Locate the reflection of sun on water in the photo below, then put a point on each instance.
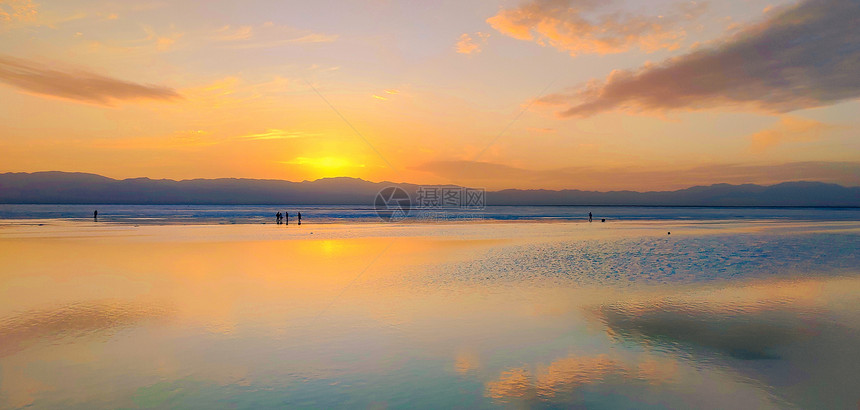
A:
(329, 247)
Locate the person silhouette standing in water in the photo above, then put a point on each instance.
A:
(278, 218)
(589, 217)
(299, 217)
(96, 215)
(286, 218)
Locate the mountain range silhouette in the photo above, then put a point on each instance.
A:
(55, 187)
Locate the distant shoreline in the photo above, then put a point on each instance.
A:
(672, 224)
(360, 206)
(364, 214)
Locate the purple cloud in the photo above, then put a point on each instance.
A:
(77, 85)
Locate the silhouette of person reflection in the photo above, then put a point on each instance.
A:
(299, 217)
(589, 217)
(96, 215)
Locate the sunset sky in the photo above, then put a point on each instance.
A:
(587, 94)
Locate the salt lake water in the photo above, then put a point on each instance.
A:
(736, 308)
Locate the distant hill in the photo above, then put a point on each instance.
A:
(784, 194)
(80, 188)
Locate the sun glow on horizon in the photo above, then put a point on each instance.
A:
(327, 166)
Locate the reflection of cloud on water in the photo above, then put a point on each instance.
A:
(569, 373)
(72, 321)
(778, 343)
(511, 383)
(657, 371)
(747, 322)
(466, 362)
(757, 336)
(787, 335)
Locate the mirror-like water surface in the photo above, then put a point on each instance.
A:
(479, 315)
(233, 214)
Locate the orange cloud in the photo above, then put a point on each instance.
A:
(77, 85)
(563, 25)
(162, 42)
(17, 10)
(788, 129)
(469, 45)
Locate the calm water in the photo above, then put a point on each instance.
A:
(721, 313)
(160, 214)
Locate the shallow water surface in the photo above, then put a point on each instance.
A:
(715, 315)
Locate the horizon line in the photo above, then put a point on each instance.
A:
(433, 185)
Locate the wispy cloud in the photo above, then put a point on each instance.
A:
(389, 93)
(565, 25)
(802, 56)
(267, 35)
(307, 38)
(542, 130)
(162, 42)
(154, 40)
(228, 33)
(469, 45)
(77, 85)
(275, 134)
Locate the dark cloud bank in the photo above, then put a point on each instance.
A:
(802, 56)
